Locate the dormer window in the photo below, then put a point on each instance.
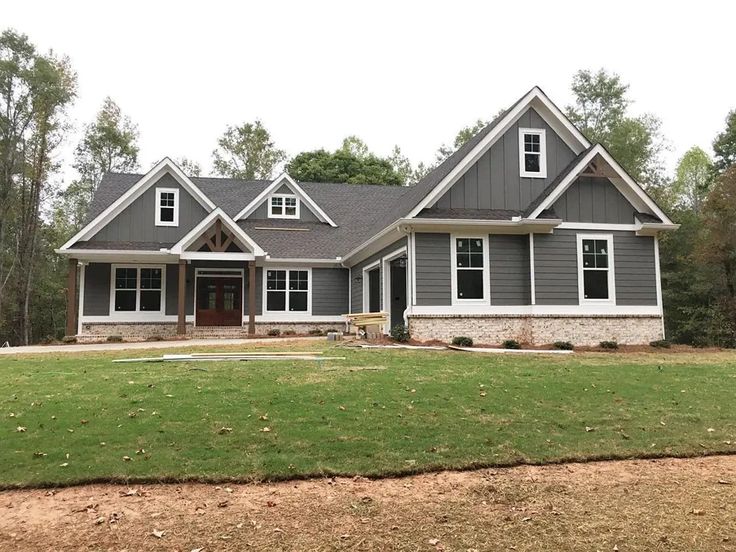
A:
(283, 206)
(532, 153)
(167, 207)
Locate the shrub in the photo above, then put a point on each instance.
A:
(462, 341)
(511, 344)
(400, 333)
(154, 338)
(609, 345)
(115, 338)
(274, 332)
(563, 345)
(69, 339)
(289, 332)
(315, 331)
(660, 343)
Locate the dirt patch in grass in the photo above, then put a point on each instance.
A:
(630, 505)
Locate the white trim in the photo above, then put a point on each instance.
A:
(374, 244)
(658, 275)
(286, 314)
(486, 299)
(532, 277)
(610, 270)
(196, 232)
(160, 191)
(542, 133)
(81, 296)
(216, 256)
(534, 98)
(598, 226)
(164, 166)
(336, 261)
(366, 284)
(318, 318)
(386, 276)
(172, 318)
(223, 273)
(101, 319)
(641, 197)
(286, 179)
(538, 310)
(283, 215)
(137, 314)
(413, 237)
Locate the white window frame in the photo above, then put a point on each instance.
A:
(283, 214)
(137, 313)
(375, 265)
(160, 191)
(611, 270)
(486, 299)
(286, 314)
(542, 153)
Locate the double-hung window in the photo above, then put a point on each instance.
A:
(287, 290)
(283, 206)
(167, 207)
(470, 269)
(532, 153)
(137, 289)
(595, 265)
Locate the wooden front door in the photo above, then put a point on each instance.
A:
(219, 301)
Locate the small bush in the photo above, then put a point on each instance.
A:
(115, 338)
(273, 332)
(289, 332)
(563, 345)
(315, 331)
(609, 345)
(660, 343)
(69, 339)
(511, 344)
(400, 333)
(462, 341)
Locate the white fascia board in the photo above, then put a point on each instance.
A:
(374, 243)
(534, 98)
(118, 255)
(206, 223)
(304, 261)
(166, 165)
(216, 256)
(520, 226)
(653, 228)
(284, 178)
(537, 310)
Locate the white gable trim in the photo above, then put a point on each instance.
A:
(194, 234)
(164, 166)
(534, 98)
(632, 191)
(294, 187)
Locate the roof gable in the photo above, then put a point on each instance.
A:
(210, 232)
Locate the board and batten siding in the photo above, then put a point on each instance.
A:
(556, 268)
(509, 270)
(137, 222)
(493, 182)
(330, 291)
(596, 200)
(356, 271)
(433, 269)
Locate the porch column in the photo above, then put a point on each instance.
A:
(71, 298)
(251, 297)
(181, 310)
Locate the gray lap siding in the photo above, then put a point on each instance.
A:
(433, 269)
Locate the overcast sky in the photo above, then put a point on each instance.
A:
(406, 73)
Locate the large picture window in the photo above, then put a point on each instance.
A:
(167, 207)
(532, 153)
(138, 289)
(470, 269)
(287, 290)
(595, 259)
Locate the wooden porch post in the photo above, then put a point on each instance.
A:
(251, 297)
(71, 298)
(181, 324)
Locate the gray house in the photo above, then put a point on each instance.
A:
(528, 231)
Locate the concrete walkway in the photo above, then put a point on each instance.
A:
(89, 347)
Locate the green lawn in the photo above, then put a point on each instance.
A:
(377, 412)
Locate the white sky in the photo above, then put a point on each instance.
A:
(406, 73)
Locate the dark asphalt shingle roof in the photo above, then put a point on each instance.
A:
(122, 245)
(646, 217)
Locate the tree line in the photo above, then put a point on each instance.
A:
(38, 214)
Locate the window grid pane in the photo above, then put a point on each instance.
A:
(470, 265)
(595, 269)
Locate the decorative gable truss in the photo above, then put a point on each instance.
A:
(165, 166)
(273, 189)
(217, 237)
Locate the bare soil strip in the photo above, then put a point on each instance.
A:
(670, 504)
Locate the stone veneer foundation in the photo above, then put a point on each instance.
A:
(583, 330)
(132, 331)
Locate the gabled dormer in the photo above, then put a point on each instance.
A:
(284, 199)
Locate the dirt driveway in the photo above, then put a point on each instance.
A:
(607, 506)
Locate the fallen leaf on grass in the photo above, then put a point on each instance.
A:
(39, 454)
(64, 465)
(130, 492)
(265, 429)
(263, 417)
(589, 429)
(20, 429)
(711, 430)
(341, 407)
(434, 542)
(224, 430)
(127, 458)
(697, 512)
(158, 534)
(483, 393)
(83, 422)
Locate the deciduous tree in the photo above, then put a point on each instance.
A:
(248, 152)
